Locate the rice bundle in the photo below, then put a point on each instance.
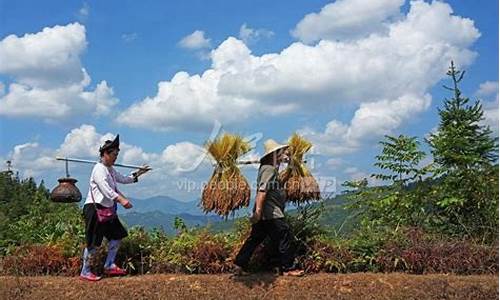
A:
(300, 185)
(227, 190)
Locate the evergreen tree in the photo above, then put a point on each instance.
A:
(464, 154)
(461, 142)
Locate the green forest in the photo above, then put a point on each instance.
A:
(436, 218)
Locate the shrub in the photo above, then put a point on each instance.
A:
(33, 260)
(192, 251)
(326, 256)
(424, 253)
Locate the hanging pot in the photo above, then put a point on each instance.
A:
(66, 191)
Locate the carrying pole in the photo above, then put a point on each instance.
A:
(85, 161)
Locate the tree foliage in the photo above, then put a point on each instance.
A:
(461, 195)
(465, 153)
(401, 157)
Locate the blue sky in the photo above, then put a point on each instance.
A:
(342, 73)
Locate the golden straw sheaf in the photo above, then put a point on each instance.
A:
(299, 184)
(227, 189)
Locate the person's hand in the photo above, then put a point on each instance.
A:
(142, 170)
(126, 204)
(255, 218)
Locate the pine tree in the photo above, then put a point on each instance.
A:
(461, 142)
(465, 153)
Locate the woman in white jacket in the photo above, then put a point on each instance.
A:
(104, 194)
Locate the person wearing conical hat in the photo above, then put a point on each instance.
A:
(268, 213)
(104, 195)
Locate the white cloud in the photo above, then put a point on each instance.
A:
(49, 80)
(45, 59)
(32, 160)
(404, 61)
(488, 93)
(346, 20)
(169, 165)
(183, 156)
(83, 141)
(487, 89)
(249, 35)
(84, 11)
(370, 122)
(184, 98)
(195, 41)
(334, 163)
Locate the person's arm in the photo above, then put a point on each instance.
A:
(262, 188)
(123, 200)
(259, 204)
(132, 177)
(101, 180)
(124, 179)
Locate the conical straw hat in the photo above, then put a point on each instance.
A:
(271, 146)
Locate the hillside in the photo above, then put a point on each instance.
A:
(165, 204)
(158, 219)
(335, 216)
(161, 211)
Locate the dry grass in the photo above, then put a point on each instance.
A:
(300, 185)
(227, 190)
(257, 286)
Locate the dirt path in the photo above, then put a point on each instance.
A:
(257, 286)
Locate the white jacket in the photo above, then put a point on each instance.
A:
(103, 185)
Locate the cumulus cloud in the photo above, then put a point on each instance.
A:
(195, 41)
(49, 80)
(347, 20)
(170, 164)
(32, 159)
(249, 35)
(184, 98)
(45, 59)
(371, 121)
(408, 58)
(488, 93)
(83, 141)
(487, 89)
(183, 156)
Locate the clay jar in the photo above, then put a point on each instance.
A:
(66, 191)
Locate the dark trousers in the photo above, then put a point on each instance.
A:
(281, 240)
(95, 231)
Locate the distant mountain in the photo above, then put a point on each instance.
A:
(166, 205)
(335, 216)
(161, 211)
(158, 219)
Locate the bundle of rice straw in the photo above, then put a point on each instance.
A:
(227, 190)
(300, 185)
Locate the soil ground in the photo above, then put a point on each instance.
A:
(255, 286)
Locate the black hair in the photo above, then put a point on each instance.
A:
(267, 160)
(106, 148)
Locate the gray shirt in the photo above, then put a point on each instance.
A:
(274, 203)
